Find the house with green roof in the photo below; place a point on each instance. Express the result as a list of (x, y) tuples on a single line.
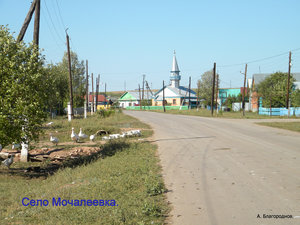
[(129, 98)]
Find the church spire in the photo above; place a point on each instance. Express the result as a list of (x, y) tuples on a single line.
[(175, 77), (174, 64)]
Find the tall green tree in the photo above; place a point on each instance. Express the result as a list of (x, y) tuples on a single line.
[(295, 98), (22, 90), (78, 76), (205, 87), (57, 86), (273, 89)]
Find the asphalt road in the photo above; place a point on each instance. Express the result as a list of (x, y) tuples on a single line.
[(226, 171)]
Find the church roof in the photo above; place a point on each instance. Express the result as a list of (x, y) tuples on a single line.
[(173, 92)]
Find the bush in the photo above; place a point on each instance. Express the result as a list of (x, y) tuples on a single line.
[(105, 113)]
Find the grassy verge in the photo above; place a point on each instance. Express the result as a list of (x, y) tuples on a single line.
[(293, 126), (61, 128), (229, 115), (125, 171)]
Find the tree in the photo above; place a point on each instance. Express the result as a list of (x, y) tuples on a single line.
[(22, 90), (295, 98), (57, 88), (273, 89), (229, 100), (205, 87), (78, 76)]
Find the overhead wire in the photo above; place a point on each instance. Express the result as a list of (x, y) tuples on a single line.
[(61, 19), (59, 46), (54, 27)]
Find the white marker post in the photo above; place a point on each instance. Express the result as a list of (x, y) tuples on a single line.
[(69, 112), (85, 110), (24, 152)]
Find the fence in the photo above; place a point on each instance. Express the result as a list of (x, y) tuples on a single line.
[(157, 107), (294, 111)]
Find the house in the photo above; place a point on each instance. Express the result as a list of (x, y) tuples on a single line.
[(101, 101), (129, 98), (175, 95), (256, 79), (224, 93)]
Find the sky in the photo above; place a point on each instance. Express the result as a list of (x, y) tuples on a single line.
[(122, 40)]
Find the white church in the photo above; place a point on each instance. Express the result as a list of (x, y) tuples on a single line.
[(175, 95)]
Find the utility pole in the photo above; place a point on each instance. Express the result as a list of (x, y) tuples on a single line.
[(87, 87), (243, 97), (143, 86), (36, 32), (198, 93), (217, 89), (97, 91), (105, 91), (213, 90), (26, 21), (164, 96), (140, 97), (189, 92), (147, 85), (124, 85), (288, 82), (92, 108), (70, 76)]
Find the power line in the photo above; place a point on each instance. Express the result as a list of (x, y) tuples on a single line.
[(49, 27), (59, 12), (259, 60), (53, 23)]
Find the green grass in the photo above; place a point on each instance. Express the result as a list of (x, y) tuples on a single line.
[(293, 126), (125, 171), (113, 124), (229, 115)]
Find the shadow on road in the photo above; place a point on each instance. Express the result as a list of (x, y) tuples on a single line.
[(175, 139)]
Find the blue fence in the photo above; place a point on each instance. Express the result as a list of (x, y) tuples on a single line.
[(294, 111)]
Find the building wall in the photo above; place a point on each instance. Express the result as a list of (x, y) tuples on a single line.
[(172, 101), (254, 101), (125, 104)]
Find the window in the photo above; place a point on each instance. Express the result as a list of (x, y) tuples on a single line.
[(174, 101), (129, 104)]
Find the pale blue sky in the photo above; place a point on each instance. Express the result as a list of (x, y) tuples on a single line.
[(124, 39)]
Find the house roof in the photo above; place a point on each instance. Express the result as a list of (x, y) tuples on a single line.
[(130, 95), (101, 98), (179, 92)]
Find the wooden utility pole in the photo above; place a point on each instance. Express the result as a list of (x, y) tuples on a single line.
[(143, 86), (70, 76), (36, 32), (97, 91), (243, 97), (140, 97), (288, 82), (189, 92), (87, 86), (198, 93), (105, 91), (213, 90), (217, 90), (147, 85), (26, 21), (164, 96), (92, 109)]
